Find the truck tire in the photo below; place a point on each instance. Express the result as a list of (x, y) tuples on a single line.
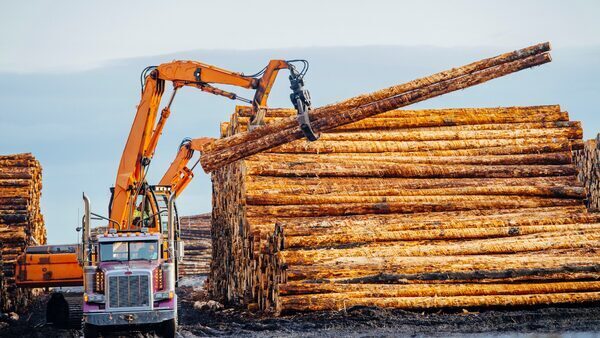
[(57, 311), (169, 328), (90, 331)]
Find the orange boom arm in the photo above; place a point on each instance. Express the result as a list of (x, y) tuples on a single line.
[(146, 130)]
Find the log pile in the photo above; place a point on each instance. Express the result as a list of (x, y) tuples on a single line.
[(588, 163), (21, 222), (413, 209), (195, 232)]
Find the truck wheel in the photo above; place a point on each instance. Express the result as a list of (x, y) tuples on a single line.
[(90, 331), (169, 328), (57, 311)]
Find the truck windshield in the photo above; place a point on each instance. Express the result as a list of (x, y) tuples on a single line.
[(130, 250)]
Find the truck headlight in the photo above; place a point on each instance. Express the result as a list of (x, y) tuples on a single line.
[(93, 298), (99, 281), (164, 295), (158, 279)]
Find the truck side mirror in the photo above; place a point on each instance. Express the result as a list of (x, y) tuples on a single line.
[(180, 250)]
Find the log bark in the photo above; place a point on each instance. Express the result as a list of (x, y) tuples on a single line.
[(317, 303), (431, 204), (403, 146), (365, 169), (548, 158), (431, 290), (357, 237)]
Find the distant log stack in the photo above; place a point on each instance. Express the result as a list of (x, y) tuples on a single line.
[(409, 209), (21, 222), (588, 163), (195, 232)]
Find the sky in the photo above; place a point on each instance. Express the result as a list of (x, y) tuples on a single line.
[(69, 71), (45, 35)]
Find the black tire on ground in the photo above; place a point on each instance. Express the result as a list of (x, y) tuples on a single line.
[(169, 328), (57, 311), (178, 311), (90, 331)]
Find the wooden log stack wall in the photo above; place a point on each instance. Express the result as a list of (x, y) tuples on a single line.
[(408, 209), (21, 222), (588, 163), (195, 232)]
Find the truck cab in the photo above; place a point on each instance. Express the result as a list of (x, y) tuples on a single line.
[(130, 276), (131, 283)]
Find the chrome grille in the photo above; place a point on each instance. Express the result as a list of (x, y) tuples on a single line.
[(128, 291)]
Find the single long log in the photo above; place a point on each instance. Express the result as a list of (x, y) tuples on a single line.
[(412, 206), (246, 111), (261, 197), (338, 290), (14, 183), (17, 162), (373, 227), (265, 182), (503, 150), (365, 169), (484, 272), (417, 135), (213, 158), (16, 173), (384, 196), (547, 158), (357, 237), (403, 146), (317, 303), (17, 156), (457, 119)]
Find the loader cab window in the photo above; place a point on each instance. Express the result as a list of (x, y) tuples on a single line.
[(142, 214)]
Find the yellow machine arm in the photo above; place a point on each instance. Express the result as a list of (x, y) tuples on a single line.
[(146, 130)]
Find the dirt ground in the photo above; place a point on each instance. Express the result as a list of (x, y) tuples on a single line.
[(355, 322)]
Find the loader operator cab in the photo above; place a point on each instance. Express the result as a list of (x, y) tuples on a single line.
[(152, 216), (151, 210)]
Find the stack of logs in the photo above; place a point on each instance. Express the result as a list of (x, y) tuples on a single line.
[(588, 163), (408, 209), (21, 222), (195, 232)]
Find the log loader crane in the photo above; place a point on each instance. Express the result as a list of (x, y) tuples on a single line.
[(130, 269)]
